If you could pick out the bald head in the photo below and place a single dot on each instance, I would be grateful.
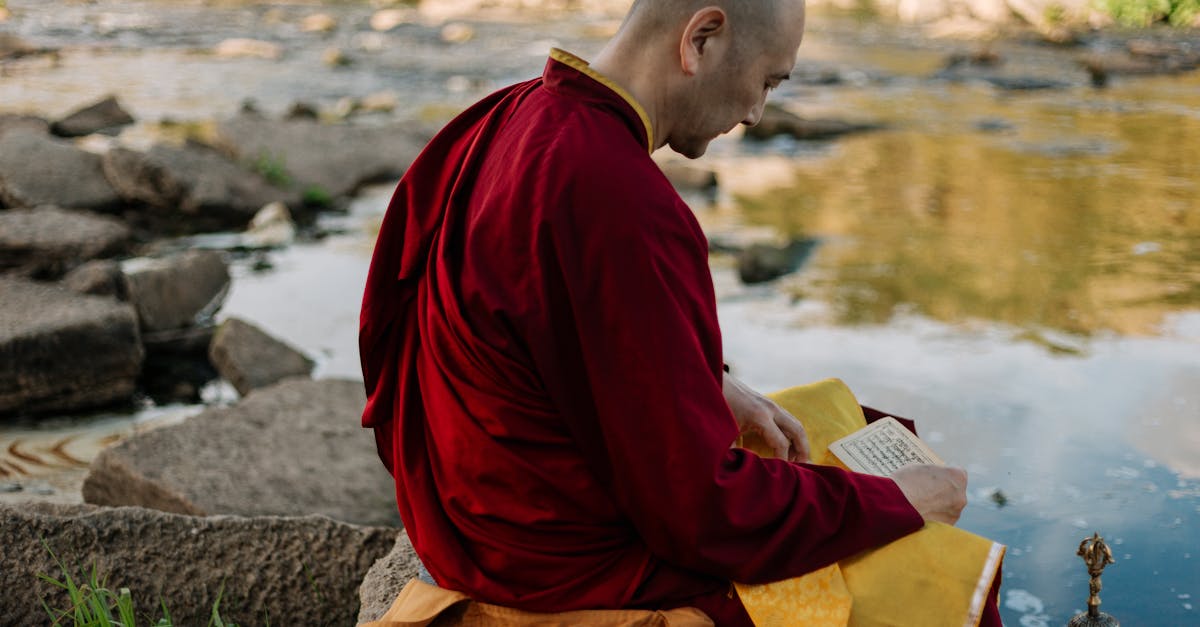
(751, 22)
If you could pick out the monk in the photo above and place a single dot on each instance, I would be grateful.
(542, 357)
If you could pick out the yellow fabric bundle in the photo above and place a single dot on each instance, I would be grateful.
(940, 575)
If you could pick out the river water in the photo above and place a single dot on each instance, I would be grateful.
(1018, 271)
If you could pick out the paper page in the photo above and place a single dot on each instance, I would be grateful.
(881, 448)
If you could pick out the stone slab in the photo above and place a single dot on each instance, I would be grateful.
(285, 571)
(294, 448)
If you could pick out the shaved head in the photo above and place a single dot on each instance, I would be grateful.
(752, 22)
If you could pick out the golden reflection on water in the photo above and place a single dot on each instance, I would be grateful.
(1082, 219)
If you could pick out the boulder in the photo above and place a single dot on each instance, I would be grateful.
(11, 121)
(250, 359)
(191, 188)
(177, 291)
(101, 277)
(334, 158)
(253, 48)
(779, 121)
(272, 227)
(62, 351)
(294, 448)
(13, 47)
(104, 115)
(285, 571)
(386, 578)
(46, 242)
(1102, 66)
(761, 262)
(318, 23)
(36, 169)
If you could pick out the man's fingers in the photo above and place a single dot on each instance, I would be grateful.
(776, 439)
(794, 432)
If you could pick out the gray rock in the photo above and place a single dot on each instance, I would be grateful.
(759, 263)
(386, 578)
(779, 121)
(250, 359)
(333, 158)
(288, 571)
(63, 351)
(176, 291)
(101, 277)
(103, 115)
(191, 188)
(295, 448)
(37, 169)
(13, 47)
(13, 121)
(46, 242)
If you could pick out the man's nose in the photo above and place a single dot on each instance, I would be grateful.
(756, 113)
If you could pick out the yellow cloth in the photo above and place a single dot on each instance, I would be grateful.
(940, 575)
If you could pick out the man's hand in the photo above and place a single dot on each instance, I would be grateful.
(937, 492)
(758, 414)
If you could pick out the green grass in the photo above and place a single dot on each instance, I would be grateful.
(273, 168)
(94, 604)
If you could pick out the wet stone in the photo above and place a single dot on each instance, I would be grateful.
(192, 188)
(105, 115)
(36, 169)
(249, 358)
(46, 242)
(62, 351)
(177, 291)
(779, 121)
(334, 159)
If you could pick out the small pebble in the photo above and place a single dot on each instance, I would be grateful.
(11, 486)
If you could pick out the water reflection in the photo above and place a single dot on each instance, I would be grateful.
(967, 225)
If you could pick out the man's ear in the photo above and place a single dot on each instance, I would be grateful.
(705, 24)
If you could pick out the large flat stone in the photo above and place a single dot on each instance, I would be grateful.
(61, 351)
(47, 242)
(334, 158)
(177, 291)
(294, 448)
(37, 169)
(288, 571)
(191, 188)
(250, 359)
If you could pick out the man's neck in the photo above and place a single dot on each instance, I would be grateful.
(634, 69)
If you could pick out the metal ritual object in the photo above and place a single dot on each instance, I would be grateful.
(1096, 555)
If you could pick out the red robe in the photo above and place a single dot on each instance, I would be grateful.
(542, 360)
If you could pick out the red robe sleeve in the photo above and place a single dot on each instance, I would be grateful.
(637, 319)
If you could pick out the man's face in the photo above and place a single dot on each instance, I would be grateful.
(733, 88)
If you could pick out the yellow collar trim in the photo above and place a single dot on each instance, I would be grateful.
(562, 56)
